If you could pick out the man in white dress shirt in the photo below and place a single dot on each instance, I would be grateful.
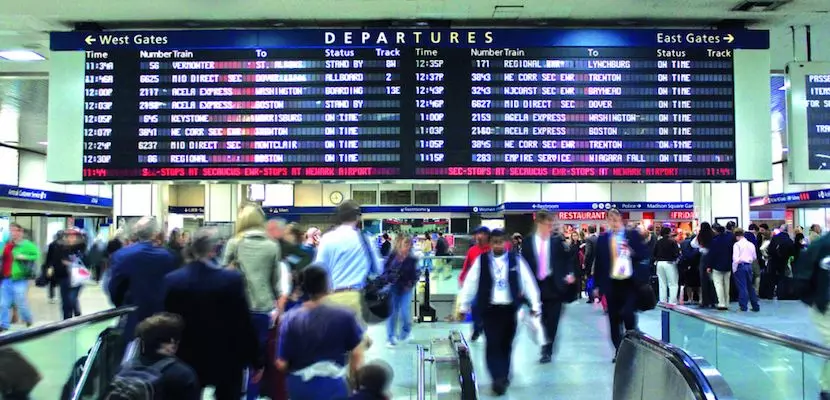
(499, 281)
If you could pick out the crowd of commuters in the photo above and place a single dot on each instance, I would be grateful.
(274, 312)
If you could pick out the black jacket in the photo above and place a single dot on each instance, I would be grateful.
(603, 263)
(560, 262)
(666, 249)
(811, 275)
(219, 337)
(590, 253)
(780, 249)
(177, 381)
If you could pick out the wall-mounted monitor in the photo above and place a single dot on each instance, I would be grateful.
(808, 106)
(532, 104)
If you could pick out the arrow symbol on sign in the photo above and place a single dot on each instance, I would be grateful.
(729, 38)
(89, 40)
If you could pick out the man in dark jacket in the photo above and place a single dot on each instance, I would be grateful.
(590, 257)
(137, 273)
(553, 268)
(812, 284)
(720, 262)
(621, 267)
(219, 340)
(781, 248)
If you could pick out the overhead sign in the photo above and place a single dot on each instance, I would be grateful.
(795, 197)
(185, 210)
(15, 192)
(523, 207)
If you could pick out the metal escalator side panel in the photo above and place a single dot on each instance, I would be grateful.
(648, 369)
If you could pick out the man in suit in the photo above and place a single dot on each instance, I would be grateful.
(590, 257)
(549, 261)
(621, 267)
(219, 340)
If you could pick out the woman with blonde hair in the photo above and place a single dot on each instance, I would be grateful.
(258, 258)
(400, 274)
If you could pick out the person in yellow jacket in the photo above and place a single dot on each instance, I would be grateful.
(18, 259)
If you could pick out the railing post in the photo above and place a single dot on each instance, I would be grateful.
(421, 371)
(665, 326)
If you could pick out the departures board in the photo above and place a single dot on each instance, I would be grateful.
(409, 104)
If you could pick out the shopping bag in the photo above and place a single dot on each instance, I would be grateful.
(79, 274)
(533, 324)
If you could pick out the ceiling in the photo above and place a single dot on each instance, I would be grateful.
(25, 25)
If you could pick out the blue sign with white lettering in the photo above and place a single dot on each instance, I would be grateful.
(528, 207)
(480, 38)
(14, 192)
(185, 210)
(795, 197)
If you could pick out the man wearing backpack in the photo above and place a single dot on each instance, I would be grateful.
(156, 374)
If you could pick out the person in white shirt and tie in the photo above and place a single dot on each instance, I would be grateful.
(553, 268)
(500, 281)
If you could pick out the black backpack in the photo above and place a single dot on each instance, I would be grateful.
(139, 382)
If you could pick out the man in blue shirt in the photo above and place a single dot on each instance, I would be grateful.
(137, 273)
(349, 259)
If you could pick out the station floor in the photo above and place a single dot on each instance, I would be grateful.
(582, 367)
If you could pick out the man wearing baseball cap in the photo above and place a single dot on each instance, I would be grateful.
(481, 246)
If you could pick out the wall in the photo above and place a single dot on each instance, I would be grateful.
(32, 175)
(187, 195)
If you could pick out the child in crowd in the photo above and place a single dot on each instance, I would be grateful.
(373, 380)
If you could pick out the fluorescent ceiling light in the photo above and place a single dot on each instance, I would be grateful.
(43, 143)
(21, 55)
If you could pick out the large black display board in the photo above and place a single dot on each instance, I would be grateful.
(488, 104)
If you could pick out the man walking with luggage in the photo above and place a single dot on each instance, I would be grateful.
(499, 281)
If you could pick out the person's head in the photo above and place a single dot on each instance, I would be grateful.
(739, 233)
(719, 228)
(517, 238)
(665, 232)
(348, 212)
(312, 236)
(204, 244)
(427, 236)
(763, 228)
(160, 333)
(592, 229)
(276, 228)
(753, 228)
(498, 241)
(403, 244)
(72, 237)
(730, 226)
(16, 231)
(375, 377)
(386, 237)
(815, 228)
(575, 236)
(315, 282)
(615, 220)
(784, 228)
(175, 237)
(250, 217)
(293, 234)
(544, 224)
(482, 235)
(145, 229)
(440, 234)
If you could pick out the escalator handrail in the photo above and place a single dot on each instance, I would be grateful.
(466, 371)
(706, 380)
(45, 330)
(790, 342)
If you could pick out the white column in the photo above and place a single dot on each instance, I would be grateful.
(221, 202)
(722, 200)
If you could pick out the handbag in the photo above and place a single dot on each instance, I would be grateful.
(79, 274)
(646, 298)
(376, 306)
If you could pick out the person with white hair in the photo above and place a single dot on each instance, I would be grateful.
(137, 272)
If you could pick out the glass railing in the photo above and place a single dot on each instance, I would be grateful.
(47, 362)
(445, 371)
(759, 364)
